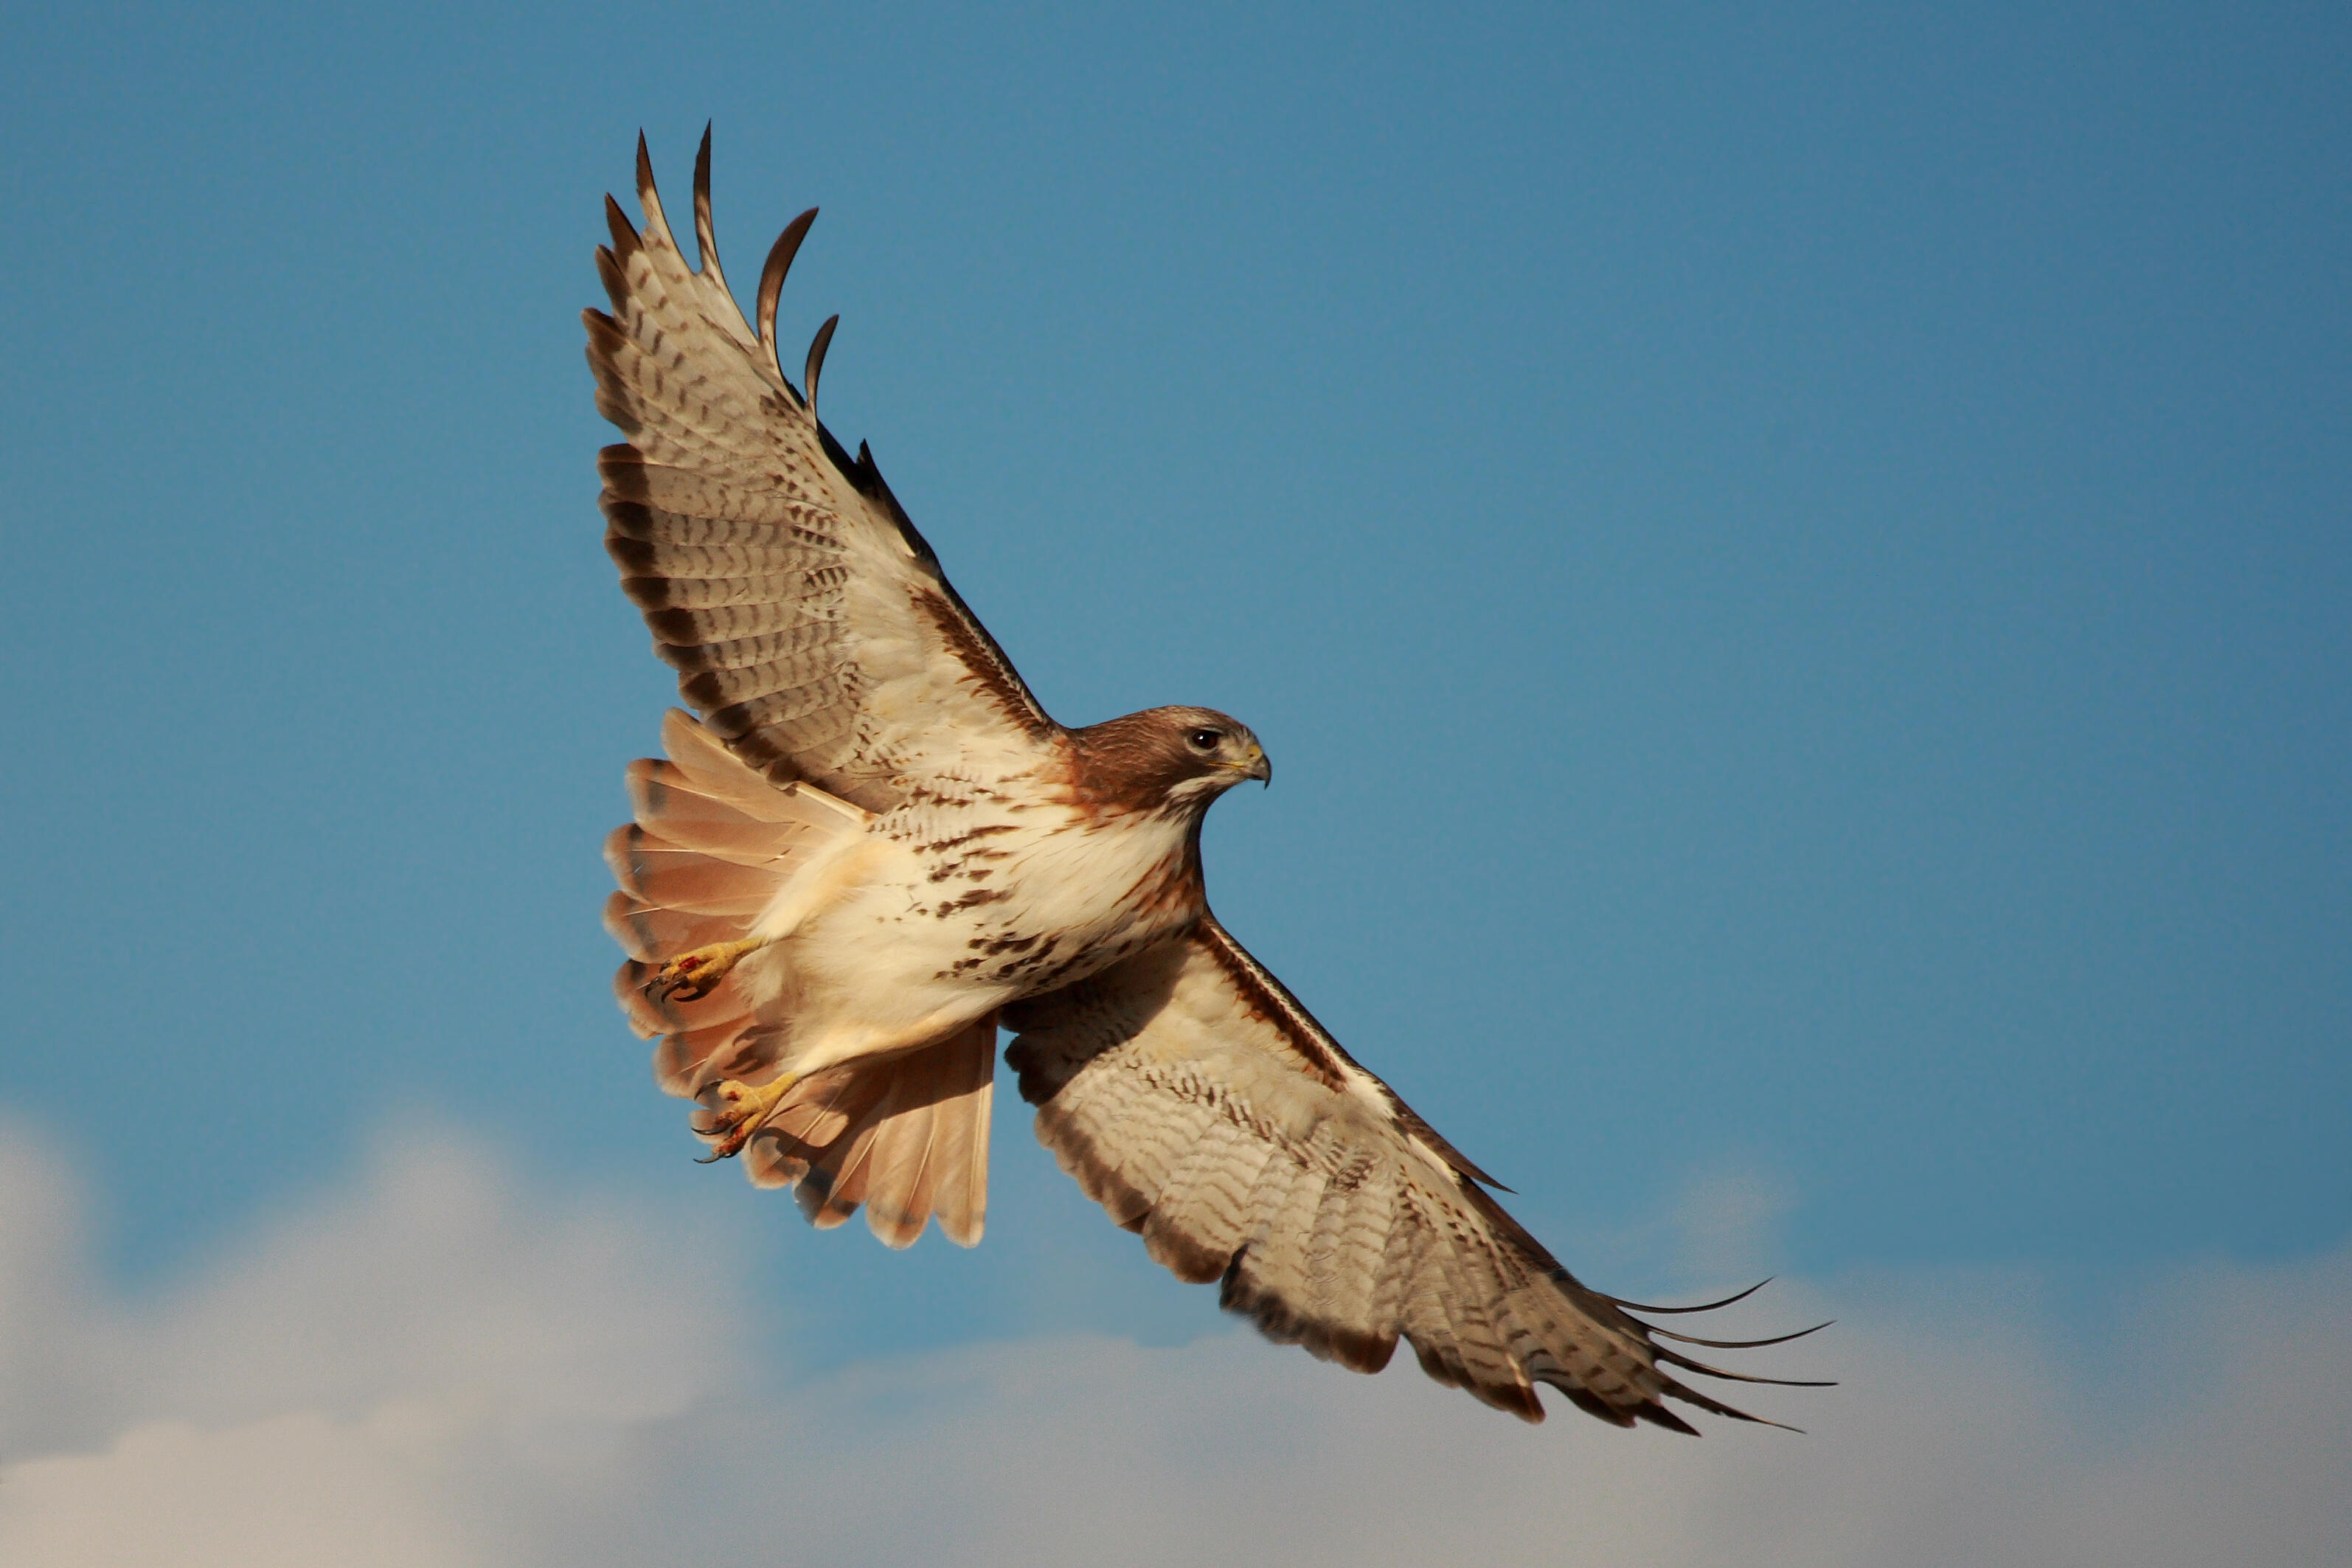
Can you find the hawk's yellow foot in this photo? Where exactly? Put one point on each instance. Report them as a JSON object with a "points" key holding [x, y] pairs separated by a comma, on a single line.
{"points": [[695, 973], [743, 1109]]}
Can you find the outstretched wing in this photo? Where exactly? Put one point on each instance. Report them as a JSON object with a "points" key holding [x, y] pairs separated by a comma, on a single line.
{"points": [[1202, 1106], [811, 625]]}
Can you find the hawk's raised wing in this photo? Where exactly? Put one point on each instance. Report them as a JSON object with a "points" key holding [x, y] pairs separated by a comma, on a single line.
{"points": [[811, 625], [1202, 1106]]}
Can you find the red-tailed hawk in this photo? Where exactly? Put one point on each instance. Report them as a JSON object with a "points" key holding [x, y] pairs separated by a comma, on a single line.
{"points": [[873, 847]]}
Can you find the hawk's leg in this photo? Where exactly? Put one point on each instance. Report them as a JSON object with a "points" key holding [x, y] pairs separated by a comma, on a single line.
{"points": [[741, 1110], [695, 973]]}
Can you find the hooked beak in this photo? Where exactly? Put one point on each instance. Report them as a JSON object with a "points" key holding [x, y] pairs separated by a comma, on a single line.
{"points": [[1253, 766]]}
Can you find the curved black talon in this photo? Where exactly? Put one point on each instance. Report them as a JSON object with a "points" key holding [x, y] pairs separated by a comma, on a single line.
{"points": [[678, 988]]}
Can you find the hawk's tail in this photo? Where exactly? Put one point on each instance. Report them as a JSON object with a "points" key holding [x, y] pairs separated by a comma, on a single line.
{"points": [[906, 1135], [713, 846]]}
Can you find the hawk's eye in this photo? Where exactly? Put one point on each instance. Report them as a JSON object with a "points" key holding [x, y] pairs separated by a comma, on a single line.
{"points": [[1204, 740]]}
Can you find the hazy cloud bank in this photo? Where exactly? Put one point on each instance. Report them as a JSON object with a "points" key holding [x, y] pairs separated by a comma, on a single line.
{"points": [[438, 1366]]}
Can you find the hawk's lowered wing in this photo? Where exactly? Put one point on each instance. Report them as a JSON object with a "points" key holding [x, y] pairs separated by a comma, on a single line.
{"points": [[811, 625], [1200, 1105]]}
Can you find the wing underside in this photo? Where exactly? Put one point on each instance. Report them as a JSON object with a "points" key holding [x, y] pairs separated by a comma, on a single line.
{"points": [[811, 625], [1202, 1108]]}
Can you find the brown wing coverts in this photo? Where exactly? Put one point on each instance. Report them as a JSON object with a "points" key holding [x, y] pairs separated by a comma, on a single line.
{"points": [[1208, 1122], [809, 622]]}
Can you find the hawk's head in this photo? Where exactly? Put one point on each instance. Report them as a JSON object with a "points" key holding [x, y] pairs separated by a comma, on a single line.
{"points": [[1163, 758]]}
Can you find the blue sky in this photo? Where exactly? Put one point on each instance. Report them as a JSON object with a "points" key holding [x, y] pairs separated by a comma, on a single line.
{"points": [[1793, 568]]}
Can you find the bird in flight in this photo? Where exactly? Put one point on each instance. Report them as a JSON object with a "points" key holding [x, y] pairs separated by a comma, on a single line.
{"points": [[870, 847]]}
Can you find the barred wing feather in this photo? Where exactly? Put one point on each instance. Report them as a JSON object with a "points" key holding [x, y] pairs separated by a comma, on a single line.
{"points": [[1202, 1107], [811, 625]]}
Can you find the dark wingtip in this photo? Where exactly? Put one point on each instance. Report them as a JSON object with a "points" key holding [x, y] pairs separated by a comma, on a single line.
{"points": [[1659, 1415], [1689, 1364], [1739, 1344], [1684, 1393], [817, 345], [645, 166], [1709, 1307], [1668, 1356], [625, 240], [706, 246], [772, 276]]}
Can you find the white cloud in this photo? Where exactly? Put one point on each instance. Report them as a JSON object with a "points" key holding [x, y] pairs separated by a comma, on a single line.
{"points": [[438, 1367]]}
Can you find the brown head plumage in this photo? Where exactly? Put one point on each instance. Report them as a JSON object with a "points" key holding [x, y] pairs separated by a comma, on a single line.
{"points": [[1164, 758]]}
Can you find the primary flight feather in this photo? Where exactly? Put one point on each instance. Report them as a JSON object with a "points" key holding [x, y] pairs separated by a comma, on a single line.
{"points": [[871, 846]]}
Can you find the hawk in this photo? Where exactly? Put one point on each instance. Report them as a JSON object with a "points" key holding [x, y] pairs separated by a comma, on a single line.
{"points": [[870, 847]]}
